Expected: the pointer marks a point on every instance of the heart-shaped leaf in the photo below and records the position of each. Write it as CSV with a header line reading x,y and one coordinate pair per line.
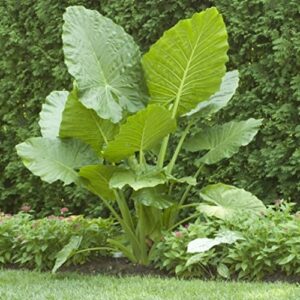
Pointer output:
x,y
225,201
105,61
186,65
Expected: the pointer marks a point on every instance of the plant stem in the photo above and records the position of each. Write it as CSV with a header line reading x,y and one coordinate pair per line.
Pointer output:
x,y
162,152
178,148
183,221
187,190
188,205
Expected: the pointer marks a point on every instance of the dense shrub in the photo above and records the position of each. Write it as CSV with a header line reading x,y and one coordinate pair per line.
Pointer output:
x,y
35,243
270,245
265,42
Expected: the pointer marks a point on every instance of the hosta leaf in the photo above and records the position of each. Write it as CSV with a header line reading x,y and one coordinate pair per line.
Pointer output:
x,y
105,61
137,180
186,65
51,114
224,201
98,177
223,141
154,197
84,124
55,159
201,245
141,132
220,99
63,255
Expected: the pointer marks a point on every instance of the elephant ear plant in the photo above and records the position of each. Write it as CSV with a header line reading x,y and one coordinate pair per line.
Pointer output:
x,y
110,134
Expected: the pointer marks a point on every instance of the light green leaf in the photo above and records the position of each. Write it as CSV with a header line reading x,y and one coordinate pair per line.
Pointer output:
x,y
84,124
55,159
155,197
223,141
220,99
195,259
186,65
137,180
98,177
223,271
201,245
51,114
63,255
187,179
225,201
105,61
141,131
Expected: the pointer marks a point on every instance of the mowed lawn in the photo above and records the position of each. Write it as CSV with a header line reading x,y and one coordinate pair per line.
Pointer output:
x,y
23,285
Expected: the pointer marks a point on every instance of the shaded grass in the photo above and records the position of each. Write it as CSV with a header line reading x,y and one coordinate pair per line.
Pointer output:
x,y
23,285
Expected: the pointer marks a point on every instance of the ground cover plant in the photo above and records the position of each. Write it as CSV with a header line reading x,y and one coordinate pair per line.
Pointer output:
x,y
38,243
266,245
111,133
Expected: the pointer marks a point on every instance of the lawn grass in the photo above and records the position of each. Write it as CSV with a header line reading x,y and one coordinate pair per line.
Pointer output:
x,y
23,285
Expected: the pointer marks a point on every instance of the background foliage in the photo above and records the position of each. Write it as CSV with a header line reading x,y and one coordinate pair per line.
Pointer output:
x,y
265,43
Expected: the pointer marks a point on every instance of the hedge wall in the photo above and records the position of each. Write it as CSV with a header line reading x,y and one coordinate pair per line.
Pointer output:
x,y
265,46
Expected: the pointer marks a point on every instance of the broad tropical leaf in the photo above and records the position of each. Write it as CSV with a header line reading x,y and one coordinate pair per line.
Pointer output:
x,y
98,177
223,141
105,61
137,180
51,114
224,201
84,124
63,255
203,244
186,65
220,99
155,197
141,132
55,159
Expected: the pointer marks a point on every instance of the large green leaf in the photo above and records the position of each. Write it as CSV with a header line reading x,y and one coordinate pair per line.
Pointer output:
x,y
223,141
55,159
84,124
141,132
149,177
51,114
224,201
220,99
105,62
98,177
66,252
155,197
186,65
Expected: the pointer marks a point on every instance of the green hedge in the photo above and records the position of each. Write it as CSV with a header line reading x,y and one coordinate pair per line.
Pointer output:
x,y
265,44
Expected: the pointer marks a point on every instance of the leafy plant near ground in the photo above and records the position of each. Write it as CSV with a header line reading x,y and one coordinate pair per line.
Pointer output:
x,y
108,136
36,243
267,245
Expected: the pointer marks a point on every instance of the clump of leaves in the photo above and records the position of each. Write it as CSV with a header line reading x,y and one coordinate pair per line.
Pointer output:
x,y
36,243
255,246
111,133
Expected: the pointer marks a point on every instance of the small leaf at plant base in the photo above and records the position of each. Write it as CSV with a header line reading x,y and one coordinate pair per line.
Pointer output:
x,y
190,180
105,61
224,201
84,124
223,271
194,259
220,99
137,180
98,177
156,197
141,131
55,159
186,65
201,245
51,114
63,255
223,141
